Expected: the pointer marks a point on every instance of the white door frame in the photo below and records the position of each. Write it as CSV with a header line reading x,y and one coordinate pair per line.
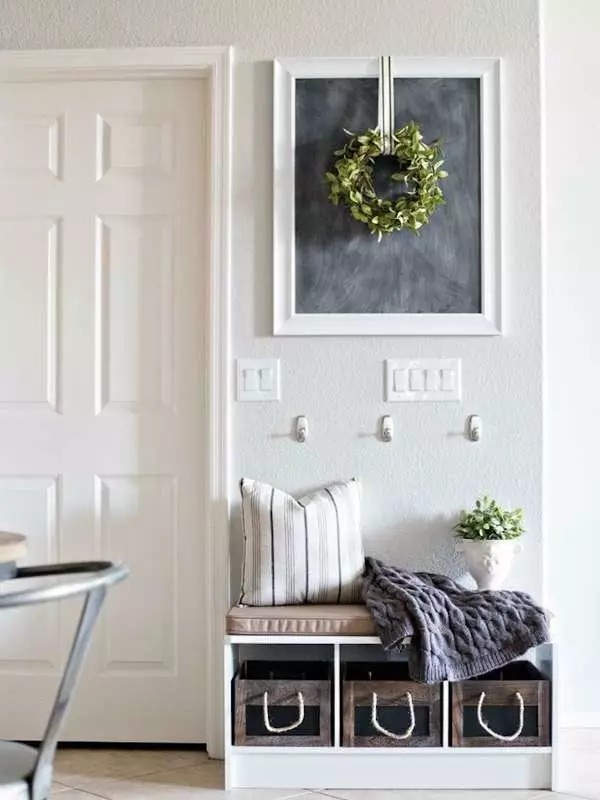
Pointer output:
x,y
183,62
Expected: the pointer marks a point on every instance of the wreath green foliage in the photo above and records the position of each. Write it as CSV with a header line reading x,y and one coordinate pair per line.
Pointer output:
x,y
420,170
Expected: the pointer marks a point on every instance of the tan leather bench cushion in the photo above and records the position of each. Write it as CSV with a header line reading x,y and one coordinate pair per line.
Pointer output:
x,y
305,620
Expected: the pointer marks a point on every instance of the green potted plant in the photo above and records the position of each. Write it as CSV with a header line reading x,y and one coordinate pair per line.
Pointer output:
x,y
488,538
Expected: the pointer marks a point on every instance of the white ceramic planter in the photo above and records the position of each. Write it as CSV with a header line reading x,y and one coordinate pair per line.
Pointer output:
x,y
489,562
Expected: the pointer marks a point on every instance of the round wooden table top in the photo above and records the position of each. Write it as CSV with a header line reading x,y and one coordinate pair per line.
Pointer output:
x,y
13,546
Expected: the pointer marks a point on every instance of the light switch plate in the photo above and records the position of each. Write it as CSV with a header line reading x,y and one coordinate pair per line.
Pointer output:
x,y
411,380
258,379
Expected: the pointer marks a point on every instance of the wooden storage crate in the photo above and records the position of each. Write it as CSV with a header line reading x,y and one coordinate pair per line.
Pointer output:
x,y
384,708
283,703
509,707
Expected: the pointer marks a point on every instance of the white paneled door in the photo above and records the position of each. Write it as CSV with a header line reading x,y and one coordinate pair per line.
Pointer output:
x,y
103,331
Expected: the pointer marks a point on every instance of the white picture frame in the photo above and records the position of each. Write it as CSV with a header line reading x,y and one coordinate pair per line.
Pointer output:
x,y
286,322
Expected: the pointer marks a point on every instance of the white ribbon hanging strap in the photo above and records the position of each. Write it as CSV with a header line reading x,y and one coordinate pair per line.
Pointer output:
x,y
285,728
386,103
379,727
499,736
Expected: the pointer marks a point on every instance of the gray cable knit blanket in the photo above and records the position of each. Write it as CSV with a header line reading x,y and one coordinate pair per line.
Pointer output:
x,y
454,633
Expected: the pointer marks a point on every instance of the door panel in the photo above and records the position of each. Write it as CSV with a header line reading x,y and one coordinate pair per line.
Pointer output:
x,y
138,636
30,148
135,304
103,254
28,300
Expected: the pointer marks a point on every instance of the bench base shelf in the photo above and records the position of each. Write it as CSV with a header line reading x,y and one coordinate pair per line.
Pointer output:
x,y
340,767
434,768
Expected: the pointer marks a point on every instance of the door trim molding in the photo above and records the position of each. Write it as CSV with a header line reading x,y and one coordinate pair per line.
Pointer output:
x,y
184,62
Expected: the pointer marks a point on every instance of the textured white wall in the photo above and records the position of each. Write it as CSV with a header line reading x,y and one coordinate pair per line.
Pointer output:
x,y
572,177
414,487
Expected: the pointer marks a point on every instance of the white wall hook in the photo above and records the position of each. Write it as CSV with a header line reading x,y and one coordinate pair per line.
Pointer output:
x,y
301,429
387,428
474,428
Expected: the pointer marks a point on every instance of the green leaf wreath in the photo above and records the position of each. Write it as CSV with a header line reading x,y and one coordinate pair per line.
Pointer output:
x,y
420,171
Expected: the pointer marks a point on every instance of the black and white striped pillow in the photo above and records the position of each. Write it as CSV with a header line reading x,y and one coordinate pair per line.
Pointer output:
x,y
301,551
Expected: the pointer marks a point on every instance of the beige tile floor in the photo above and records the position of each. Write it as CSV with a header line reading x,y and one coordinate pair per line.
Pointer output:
x,y
189,775
580,749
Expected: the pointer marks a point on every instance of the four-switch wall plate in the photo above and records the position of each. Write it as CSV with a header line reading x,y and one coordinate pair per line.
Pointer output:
x,y
411,380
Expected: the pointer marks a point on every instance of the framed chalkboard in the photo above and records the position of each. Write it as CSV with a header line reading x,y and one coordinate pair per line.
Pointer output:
x,y
331,276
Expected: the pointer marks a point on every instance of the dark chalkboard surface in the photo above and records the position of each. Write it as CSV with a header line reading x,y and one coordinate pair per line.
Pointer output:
x,y
340,267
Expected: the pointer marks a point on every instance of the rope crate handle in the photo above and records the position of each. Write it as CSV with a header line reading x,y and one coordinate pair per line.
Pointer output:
x,y
379,727
284,728
493,733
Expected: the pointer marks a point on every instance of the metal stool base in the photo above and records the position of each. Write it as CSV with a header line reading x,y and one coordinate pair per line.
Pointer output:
x,y
17,763
26,773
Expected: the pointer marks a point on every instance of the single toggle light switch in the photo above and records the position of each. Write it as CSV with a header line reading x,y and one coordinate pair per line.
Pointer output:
x,y
251,380
400,380
266,379
416,380
432,380
448,380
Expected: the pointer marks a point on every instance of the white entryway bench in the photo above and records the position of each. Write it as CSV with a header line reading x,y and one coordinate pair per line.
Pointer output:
x,y
340,638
